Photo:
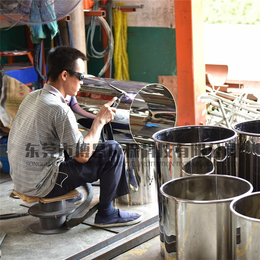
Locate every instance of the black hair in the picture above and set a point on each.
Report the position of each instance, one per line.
(62, 58)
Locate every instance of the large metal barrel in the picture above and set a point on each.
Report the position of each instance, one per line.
(249, 151)
(246, 227)
(196, 216)
(146, 109)
(140, 165)
(193, 150)
(187, 150)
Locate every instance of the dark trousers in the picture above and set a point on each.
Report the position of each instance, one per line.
(106, 164)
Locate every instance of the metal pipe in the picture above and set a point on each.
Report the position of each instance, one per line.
(145, 108)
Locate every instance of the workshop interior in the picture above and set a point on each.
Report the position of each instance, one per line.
(188, 121)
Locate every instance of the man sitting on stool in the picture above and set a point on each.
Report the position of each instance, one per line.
(45, 127)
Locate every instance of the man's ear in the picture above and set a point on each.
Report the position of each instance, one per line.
(64, 75)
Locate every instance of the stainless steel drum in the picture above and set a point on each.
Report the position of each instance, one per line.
(246, 227)
(193, 150)
(145, 109)
(196, 216)
(249, 151)
(140, 166)
(185, 150)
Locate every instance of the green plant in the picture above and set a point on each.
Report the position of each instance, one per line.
(232, 11)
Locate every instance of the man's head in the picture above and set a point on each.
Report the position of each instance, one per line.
(65, 69)
(62, 58)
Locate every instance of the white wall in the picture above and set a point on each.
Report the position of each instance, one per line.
(238, 46)
(155, 13)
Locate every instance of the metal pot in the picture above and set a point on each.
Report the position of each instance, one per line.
(193, 150)
(196, 218)
(249, 151)
(246, 227)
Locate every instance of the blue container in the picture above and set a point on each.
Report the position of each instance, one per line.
(5, 164)
(25, 76)
(3, 140)
(3, 155)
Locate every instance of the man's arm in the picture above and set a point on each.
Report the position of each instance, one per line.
(105, 115)
(78, 110)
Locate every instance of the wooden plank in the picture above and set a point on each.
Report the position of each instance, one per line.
(170, 82)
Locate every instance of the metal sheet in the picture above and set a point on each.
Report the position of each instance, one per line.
(146, 109)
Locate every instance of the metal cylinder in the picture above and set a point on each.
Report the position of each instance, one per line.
(196, 218)
(140, 167)
(196, 149)
(193, 150)
(246, 227)
(144, 110)
(249, 151)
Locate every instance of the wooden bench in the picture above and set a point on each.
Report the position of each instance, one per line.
(52, 212)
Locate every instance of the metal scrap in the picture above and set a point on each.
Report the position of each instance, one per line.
(225, 109)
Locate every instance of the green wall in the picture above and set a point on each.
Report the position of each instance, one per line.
(151, 51)
(12, 39)
(15, 39)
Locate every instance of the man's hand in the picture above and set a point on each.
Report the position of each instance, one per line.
(105, 115)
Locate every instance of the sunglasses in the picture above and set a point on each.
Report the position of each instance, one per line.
(79, 75)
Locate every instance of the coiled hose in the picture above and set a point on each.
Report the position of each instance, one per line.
(92, 52)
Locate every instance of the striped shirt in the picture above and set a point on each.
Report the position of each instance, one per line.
(43, 128)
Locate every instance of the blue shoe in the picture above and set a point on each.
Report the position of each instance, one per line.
(118, 219)
(76, 200)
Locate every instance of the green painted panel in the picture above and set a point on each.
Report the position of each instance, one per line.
(12, 39)
(152, 52)
(95, 64)
(15, 39)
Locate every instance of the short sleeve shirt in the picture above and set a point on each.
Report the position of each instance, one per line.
(43, 128)
(71, 100)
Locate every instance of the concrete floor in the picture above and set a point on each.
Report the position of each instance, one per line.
(20, 243)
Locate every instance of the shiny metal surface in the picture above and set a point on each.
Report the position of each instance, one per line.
(140, 166)
(193, 150)
(249, 151)
(187, 150)
(246, 227)
(196, 218)
(146, 109)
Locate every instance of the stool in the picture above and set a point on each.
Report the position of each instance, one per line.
(52, 212)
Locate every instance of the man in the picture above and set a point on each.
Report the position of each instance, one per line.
(45, 127)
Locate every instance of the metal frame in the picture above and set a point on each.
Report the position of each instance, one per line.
(226, 109)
